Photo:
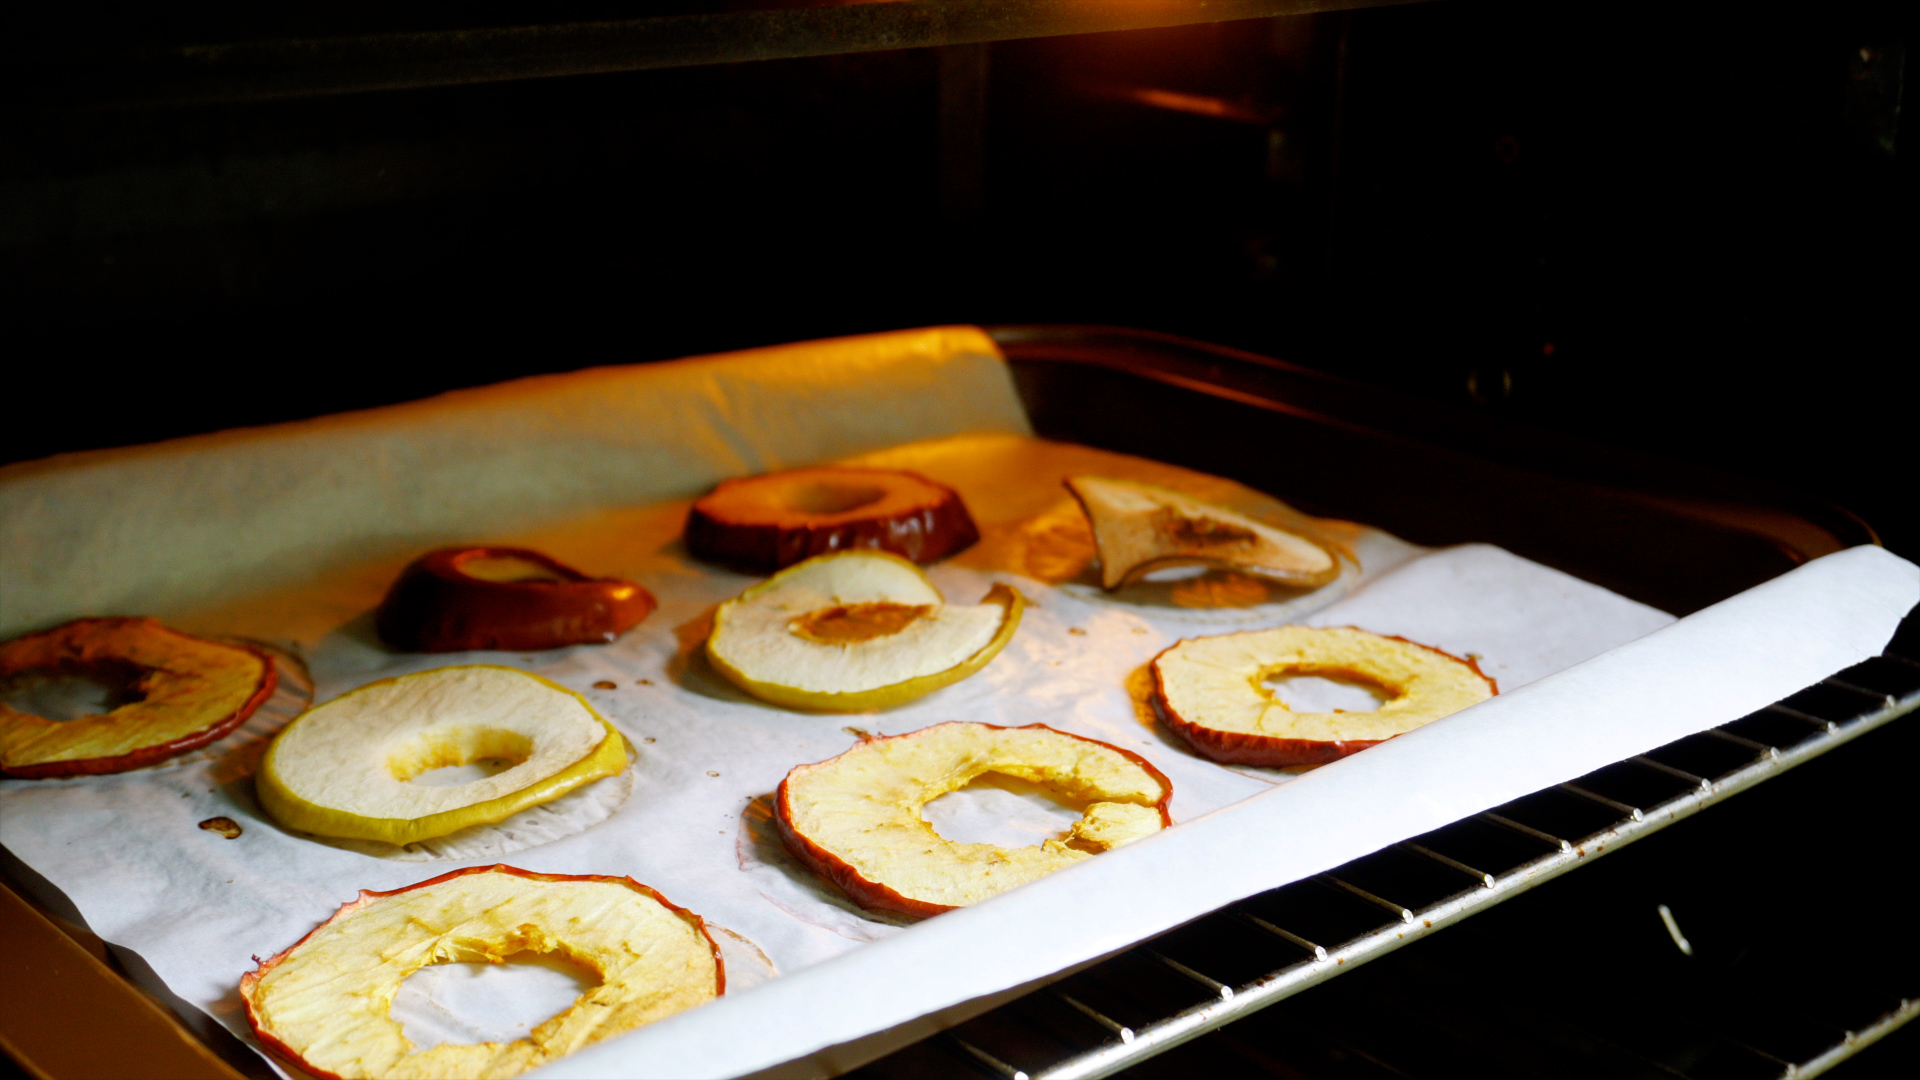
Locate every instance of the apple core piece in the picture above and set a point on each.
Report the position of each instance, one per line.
(856, 819)
(1139, 528)
(855, 631)
(322, 1004)
(762, 523)
(462, 598)
(345, 768)
(180, 692)
(1213, 692)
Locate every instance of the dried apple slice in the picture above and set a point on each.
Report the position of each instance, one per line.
(457, 599)
(855, 631)
(186, 692)
(856, 819)
(322, 1004)
(1211, 692)
(1139, 528)
(342, 769)
(762, 523)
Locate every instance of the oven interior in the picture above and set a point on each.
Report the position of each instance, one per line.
(1636, 260)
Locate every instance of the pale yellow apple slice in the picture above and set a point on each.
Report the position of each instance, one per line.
(856, 819)
(1211, 691)
(855, 631)
(323, 1003)
(343, 768)
(1139, 528)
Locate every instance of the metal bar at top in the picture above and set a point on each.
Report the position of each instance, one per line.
(1162, 1035)
(199, 73)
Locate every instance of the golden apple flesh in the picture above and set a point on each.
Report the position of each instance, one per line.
(324, 1004)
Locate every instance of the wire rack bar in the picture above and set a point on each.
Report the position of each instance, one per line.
(1164, 1034)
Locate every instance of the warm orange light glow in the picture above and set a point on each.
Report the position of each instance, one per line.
(1192, 104)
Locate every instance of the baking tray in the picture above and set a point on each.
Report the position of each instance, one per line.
(1674, 538)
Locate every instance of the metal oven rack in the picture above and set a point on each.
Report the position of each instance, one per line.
(1659, 532)
(1081, 1028)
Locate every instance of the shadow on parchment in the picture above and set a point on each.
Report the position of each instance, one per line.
(762, 854)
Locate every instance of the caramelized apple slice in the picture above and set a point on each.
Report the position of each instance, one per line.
(856, 819)
(1213, 692)
(462, 598)
(1139, 528)
(322, 1004)
(762, 523)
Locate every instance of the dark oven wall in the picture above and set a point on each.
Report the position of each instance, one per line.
(1676, 230)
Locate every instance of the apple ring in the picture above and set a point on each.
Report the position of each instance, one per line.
(188, 692)
(855, 631)
(762, 523)
(856, 819)
(1209, 691)
(322, 1004)
(456, 599)
(342, 769)
(1139, 528)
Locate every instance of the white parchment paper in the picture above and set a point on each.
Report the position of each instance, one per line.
(197, 907)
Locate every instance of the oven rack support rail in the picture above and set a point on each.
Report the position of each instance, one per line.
(1797, 729)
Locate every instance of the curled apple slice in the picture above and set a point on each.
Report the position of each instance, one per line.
(322, 1004)
(762, 523)
(343, 769)
(185, 692)
(855, 631)
(1212, 692)
(457, 599)
(856, 819)
(1139, 528)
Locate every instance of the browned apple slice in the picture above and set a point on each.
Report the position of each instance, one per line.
(1212, 692)
(184, 693)
(1139, 528)
(763, 523)
(856, 819)
(323, 1003)
(462, 598)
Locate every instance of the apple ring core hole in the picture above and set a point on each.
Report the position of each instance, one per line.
(846, 624)
(1006, 811)
(1323, 690)
(72, 691)
(507, 569)
(452, 756)
(825, 497)
(471, 998)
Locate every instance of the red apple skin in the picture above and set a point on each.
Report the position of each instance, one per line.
(158, 752)
(877, 896)
(435, 607)
(287, 1054)
(926, 532)
(1268, 751)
